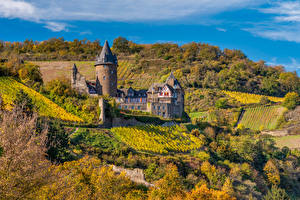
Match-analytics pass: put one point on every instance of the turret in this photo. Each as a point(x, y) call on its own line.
point(73, 75)
point(106, 71)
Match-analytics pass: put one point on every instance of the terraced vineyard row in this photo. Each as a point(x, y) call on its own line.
point(9, 88)
point(263, 117)
point(139, 80)
point(158, 139)
point(247, 98)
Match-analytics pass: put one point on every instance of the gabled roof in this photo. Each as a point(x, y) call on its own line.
point(172, 81)
point(106, 57)
point(155, 87)
point(170, 88)
point(136, 93)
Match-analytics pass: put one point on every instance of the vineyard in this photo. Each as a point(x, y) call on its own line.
point(158, 139)
point(263, 117)
point(10, 87)
point(128, 78)
point(247, 98)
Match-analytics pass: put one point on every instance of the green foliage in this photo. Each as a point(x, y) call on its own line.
point(24, 102)
point(121, 45)
point(263, 117)
point(221, 103)
point(264, 100)
point(58, 142)
point(202, 155)
point(30, 75)
point(291, 100)
point(60, 92)
point(276, 193)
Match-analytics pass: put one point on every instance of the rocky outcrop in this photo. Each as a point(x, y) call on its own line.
point(136, 175)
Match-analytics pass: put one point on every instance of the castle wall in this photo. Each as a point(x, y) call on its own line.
point(78, 82)
point(107, 76)
point(133, 106)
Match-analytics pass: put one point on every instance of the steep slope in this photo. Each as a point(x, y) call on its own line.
point(9, 87)
point(262, 117)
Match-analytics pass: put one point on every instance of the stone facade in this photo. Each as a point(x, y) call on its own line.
point(162, 99)
point(106, 71)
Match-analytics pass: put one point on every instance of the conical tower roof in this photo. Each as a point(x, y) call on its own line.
point(106, 57)
point(171, 80)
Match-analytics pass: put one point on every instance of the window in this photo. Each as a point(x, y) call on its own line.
point(154, 107)
point(104, 77)
point(139, 107)
point(132, 107)
point(112, 71)
point(163, 107)
point(158, 107)
point(125, 107)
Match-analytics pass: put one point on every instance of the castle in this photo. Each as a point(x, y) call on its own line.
point(162, 99)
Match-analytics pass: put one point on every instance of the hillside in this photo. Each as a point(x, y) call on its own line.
point(197, 65)
point(262, 117)
point(9, 87)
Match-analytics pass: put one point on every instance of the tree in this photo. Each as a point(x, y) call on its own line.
point(272, 172)
point(291, 100)
point(57, 141)
point(210, 172)
point(23, 167)
point(121, 45)
point(169, 187)
point(86, 179)
point(1, 103)
point(276, 193)
point(204, 193)
point(264, 100)
point(221, 103)
point(30, 74)
point(23, 103)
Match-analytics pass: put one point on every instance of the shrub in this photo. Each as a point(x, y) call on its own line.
point(291, 100)
point(221, 103)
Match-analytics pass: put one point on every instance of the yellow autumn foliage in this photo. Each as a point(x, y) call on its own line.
point(9, 87)
point(248, 98)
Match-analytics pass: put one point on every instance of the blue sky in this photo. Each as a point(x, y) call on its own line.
point(263, 29)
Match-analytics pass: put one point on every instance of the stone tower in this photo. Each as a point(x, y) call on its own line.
point(78, 81)
point(106, 71)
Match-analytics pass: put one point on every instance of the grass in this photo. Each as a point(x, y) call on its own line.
point(9, 87)
point(291, 141)
point(198, 115)
point(262, 117)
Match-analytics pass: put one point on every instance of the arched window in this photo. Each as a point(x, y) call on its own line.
point(104, 77)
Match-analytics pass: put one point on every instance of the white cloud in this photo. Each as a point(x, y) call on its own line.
point(56, 26)
point(284, 24)
point(277, 32)
point(286, 11)
point(17, 9)
point(292, 66)
point(126, 10)
point(222, 29)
